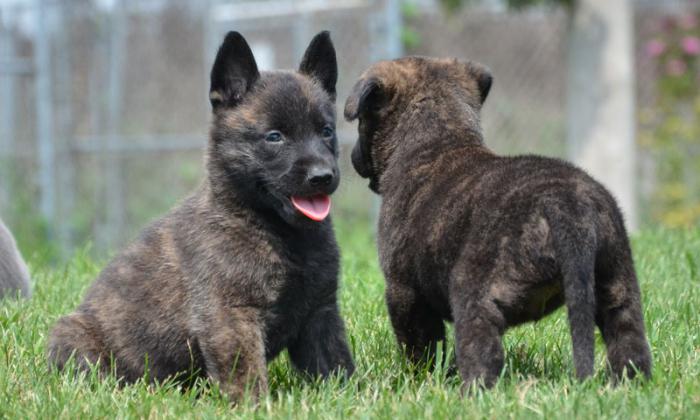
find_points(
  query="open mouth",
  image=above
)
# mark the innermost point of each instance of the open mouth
(314, 207)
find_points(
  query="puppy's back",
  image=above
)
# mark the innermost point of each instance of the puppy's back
(14, 274)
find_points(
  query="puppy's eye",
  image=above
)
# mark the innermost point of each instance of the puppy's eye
(328, 132)
(273, 137)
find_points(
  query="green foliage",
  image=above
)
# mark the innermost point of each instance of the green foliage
(537, 381)
(520, 4)
(410, 38)
(452, 6)
(671, 126)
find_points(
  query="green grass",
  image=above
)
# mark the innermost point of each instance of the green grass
(537, 380)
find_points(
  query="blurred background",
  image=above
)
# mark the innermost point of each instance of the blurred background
(104, 106)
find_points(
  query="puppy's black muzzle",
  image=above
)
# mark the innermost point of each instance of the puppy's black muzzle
(317, 169)
(320, 179)
(319, 176)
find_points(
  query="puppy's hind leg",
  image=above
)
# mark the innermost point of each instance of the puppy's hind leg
(619, 315)
(76, 336)
(233, 348)
(478, 331)
(417, 327)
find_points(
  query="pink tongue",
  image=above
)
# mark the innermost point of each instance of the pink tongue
(315, 208)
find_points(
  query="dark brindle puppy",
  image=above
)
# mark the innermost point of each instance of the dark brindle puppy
(247, 265)
(487, 241)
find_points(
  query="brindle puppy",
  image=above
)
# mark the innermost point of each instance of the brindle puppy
(248, 264)
(14, 275)
(485, 240)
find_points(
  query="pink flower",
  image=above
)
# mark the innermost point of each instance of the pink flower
(688, 21)
(691, 45)
(676, 67)
(655, 48)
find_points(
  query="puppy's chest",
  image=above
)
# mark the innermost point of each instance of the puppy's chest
(310, 258)
(310, 277)
(305, 278)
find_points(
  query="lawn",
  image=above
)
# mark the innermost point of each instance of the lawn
(537, 380)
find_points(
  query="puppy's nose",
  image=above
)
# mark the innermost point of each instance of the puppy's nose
(320, 177)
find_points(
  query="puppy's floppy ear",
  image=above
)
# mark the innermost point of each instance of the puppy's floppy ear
(484, 80)
(364, 96)
(364, 99)
(361, 157)
(233, 73)
(320, 63)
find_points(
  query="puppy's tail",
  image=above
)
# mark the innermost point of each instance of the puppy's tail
(576, 248)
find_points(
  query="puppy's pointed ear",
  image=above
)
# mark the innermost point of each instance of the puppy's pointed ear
(363, 97)
(233, 73)
(320, 63)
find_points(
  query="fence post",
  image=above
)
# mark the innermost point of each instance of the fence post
(601, 119)
(390, 28)
(44, 111)
(7, 119)
(301, 34)
(65, 130)
(114, 184)
(393, 28)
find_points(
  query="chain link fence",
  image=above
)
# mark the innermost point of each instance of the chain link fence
(104, 111)
(526, 52)
(105, 104)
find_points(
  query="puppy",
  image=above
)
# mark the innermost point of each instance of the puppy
(246, 266)
(486, 241)
(14, 275)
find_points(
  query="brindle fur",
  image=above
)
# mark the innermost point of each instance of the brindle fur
(487, 241)
(14, 275)
(233, 275)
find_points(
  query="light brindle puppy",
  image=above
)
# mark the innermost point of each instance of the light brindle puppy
(485, 240)
(246, 266)
(14, 275)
